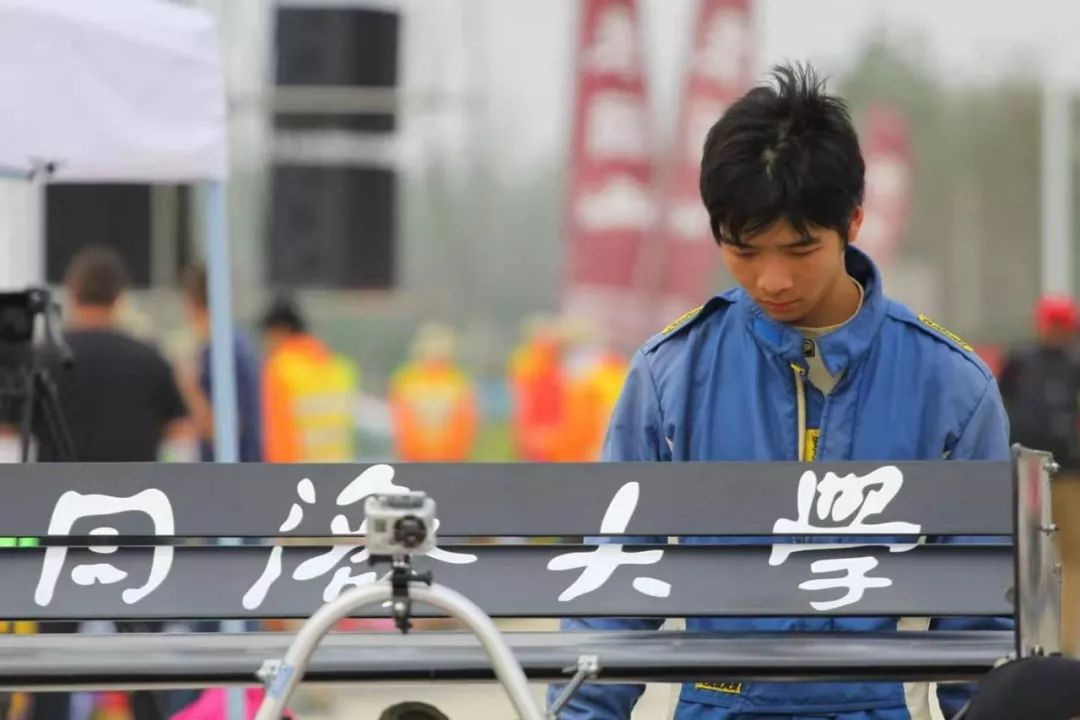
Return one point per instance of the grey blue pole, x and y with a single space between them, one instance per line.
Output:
222 353
222 362
1056 261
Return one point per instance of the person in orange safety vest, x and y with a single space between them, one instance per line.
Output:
537 381
308 393
594 378
433 402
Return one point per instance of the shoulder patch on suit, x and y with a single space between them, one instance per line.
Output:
684 318
939 333
688 319
956 339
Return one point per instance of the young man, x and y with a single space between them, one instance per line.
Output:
433 402
1040 383
121 403
119 398
195 381
307 392
806 360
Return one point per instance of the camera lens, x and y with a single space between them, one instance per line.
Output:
410 531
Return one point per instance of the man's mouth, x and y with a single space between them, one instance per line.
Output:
777 307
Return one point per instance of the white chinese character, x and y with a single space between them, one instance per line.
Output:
598 565
616 126
702 115
622 203
689 221
854 579
376 479
725 48
843 503
614 47
74 505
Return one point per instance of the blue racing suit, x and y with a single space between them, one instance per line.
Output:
727 383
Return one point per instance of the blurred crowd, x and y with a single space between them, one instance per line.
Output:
129 398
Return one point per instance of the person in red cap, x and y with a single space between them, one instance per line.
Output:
1040 383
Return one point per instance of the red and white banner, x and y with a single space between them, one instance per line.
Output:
887 152
719 71
611 206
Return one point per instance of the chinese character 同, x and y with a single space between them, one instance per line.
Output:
843 503
74 505
377 479
599 565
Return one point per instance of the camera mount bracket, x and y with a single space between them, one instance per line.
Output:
401 576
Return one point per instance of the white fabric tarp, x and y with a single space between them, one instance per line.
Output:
111 90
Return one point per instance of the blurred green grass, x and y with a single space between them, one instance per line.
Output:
494 443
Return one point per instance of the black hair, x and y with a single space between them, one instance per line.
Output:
283 314
412 711
194 283
97 276
784 152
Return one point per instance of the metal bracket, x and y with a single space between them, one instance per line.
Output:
268 670
587 668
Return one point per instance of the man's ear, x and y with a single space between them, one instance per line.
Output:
854 225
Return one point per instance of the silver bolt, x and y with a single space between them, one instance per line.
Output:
589 664
1050 466
268 670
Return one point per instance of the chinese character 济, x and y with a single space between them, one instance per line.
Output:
74 505
375 479
843 503
600 564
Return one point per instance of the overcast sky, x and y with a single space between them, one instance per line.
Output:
528 46
517 55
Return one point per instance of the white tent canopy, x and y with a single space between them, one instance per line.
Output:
111 90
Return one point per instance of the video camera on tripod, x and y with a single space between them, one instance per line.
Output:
26 385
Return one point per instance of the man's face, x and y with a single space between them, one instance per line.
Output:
1057 335
789 274
196 313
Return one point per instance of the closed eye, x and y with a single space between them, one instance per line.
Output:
743 251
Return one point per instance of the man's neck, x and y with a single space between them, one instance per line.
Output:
837 307
93 317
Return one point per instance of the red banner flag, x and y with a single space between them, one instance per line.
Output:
888 157
719 71
611 205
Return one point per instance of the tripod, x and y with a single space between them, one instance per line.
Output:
27 388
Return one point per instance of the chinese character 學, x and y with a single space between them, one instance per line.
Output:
600 564
74 505
835 504
377 479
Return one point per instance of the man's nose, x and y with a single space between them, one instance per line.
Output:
775 278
